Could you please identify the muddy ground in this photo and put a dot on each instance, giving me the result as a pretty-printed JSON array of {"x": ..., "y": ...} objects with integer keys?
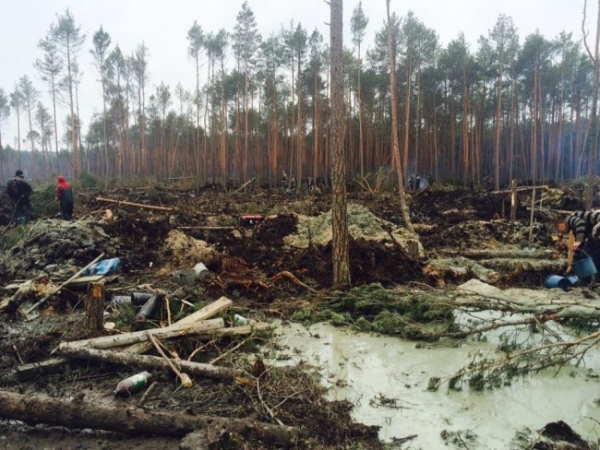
[{"x": 275, "y": 270}]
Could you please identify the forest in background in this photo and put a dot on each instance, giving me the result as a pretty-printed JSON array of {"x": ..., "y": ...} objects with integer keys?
[{"x": 511, "y": 108}]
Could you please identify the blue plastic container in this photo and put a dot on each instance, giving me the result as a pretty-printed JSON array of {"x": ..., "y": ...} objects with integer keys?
[
  {"x": 556, "y": 281},
  {"x": 573, "y": 279},
  {"x": 584, "y": 268}
]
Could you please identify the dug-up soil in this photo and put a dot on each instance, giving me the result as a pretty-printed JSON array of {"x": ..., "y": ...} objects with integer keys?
[{"x": 270, "y": 271}]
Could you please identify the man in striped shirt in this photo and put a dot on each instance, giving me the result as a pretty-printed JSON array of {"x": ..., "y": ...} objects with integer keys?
[{"x": 585, "y": 226}]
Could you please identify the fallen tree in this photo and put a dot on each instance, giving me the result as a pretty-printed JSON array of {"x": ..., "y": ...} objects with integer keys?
[{"x": 37, "y": 409}]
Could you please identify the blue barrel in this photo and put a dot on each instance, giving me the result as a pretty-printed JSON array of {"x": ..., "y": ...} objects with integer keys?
[
  {"x": 573, "y": 279},
  {"x": 584, "y": 268},
  {"x": 556, "y": 281}
]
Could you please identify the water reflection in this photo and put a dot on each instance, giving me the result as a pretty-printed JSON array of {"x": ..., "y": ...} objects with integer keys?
[{"x": 386, "y": 379}]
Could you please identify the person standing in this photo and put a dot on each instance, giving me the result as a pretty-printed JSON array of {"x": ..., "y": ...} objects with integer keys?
[
  {"x": 64, "y": 195},
  {"x": 19, "y": 192}
]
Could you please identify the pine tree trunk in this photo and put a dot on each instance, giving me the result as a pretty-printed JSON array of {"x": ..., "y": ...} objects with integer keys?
[
  {"x": 341, "y": 260},
  {"x": 51, "y": 411}
]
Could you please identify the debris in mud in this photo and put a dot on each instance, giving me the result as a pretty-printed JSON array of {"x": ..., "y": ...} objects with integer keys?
[
  {"x": 553, "y": 436},
  {"x": 280, "y": 267}
]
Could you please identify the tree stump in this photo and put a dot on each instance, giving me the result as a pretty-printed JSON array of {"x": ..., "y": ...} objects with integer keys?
[{"x": 94, "y": 307}]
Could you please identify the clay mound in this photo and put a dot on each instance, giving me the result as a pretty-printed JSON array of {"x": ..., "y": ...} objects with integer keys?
[
  {"x": 181, "y": 250},
  {"x": 362, "y": 225}
]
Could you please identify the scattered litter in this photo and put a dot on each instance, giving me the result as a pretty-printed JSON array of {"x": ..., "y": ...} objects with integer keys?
[
  {"x": 104, "y": 267},
  {"x": 133, "y": 384}
]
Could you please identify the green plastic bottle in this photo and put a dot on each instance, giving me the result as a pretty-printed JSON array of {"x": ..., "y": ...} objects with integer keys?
[{"x": 133, "y": 384}]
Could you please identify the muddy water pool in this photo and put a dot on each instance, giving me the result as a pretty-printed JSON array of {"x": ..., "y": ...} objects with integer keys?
[{"x": 386, "y": 378}]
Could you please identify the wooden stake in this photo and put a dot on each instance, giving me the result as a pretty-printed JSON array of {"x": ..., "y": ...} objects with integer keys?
[
  {"x": 186, "y": 381},
  {"x": 571, "y": 252},
  {"x": 513, "y": 200},
  {"x": 531, "y": 217}
]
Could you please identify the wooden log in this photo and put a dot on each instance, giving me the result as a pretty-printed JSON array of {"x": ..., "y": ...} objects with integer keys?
[
  {"x": 520, "y": 265},
  {"x": 30, "y": 371},
  {"x": 137, "y": 205},
  {"x": 207, "y": 228},
  {"x": 490, "y": 253},
  {"x": 520, "y": 189},
  {"x": 202, "y": 314},
  {"x": 94, "y": 307},
  {"x": 50, "y": 366},
  {"x": 141, "y": 336},
  {"x": 51, "y": 411},
  {"x": 152, "y": 362}
]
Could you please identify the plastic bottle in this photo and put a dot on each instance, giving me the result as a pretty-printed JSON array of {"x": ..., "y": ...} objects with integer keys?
[{"x": 133, "y": 384}]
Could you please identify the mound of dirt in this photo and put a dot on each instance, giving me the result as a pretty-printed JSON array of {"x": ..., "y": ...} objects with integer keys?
[
  {"x": 53, "y": 246},
  {"x": 362, "y": 225},
  {"x": 180, "y": 250}
]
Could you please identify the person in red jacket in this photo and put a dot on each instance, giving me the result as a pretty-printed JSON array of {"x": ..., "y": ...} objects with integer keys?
[{"x": 64, "y": 195}]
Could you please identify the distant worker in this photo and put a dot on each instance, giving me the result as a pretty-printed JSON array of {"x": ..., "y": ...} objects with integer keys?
[
  {"x": 411, "y": 183},
  {"x": 64, "y": 195},
  {"x": 19, "y": 192},
  {"x": 418, "y": 183},
  {"x": 583, "y": 224}
]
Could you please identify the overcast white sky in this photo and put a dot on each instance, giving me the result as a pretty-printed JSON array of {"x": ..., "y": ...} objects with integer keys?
[{"x": 163, "y": 26}]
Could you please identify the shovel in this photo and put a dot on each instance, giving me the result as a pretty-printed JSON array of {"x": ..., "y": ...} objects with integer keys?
[{"x": 28, "y": 313}]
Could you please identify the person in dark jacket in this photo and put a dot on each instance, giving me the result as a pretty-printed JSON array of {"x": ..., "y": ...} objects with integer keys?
[
  {"x": 583, "y": 226},
  {"x": 64, "y": 195},
  {"x": 19, "y": 192}
]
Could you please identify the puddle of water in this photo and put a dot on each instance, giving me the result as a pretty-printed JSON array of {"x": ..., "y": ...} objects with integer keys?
[{"x": 363, "y": 368}]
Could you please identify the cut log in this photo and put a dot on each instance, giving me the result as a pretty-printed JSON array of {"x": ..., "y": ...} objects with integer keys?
[
  {"x": 30, "y": 371},
  {"x": 94, "y": 307},
  {"x": 202, "y": 314},
  {"x": 152, "y": 362},
  {"x": 208, "y": 228},
  {"x": 141, "y": 336},
  {"x": 138, "y": 205},
  {"x": 51, "y": 411},
  {"x": 491, "y": 253},
  {"x": 520, "y": 265}
]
